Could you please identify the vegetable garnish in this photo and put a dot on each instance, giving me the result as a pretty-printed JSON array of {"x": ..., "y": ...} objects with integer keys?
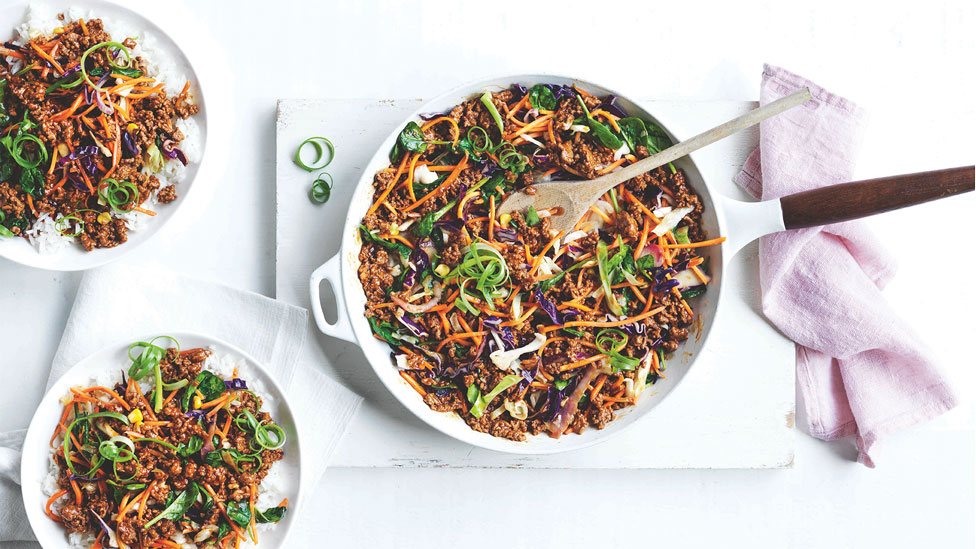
[
  {"x": 119, "y": 48},
  {"x": 324, "y": 153},
  {"x": 321, "y": 188},
  {"x": 498, "y": 318},
  {"x": 486, "y": 101},
  {"x": 138, "y": 469},
  {"x": 118, "y": 194}
]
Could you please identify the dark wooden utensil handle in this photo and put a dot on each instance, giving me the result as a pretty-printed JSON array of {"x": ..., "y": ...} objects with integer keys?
[{"x": 848, "y": 201}]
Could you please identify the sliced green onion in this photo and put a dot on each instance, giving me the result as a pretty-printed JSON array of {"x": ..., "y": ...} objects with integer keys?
[
  {"x": 61, "y": 225},
  {"x": 148, "y": 361},
  {"x": 611, "y": 341},
  {"x": 111, "y": 61},
  {"x": 157, "y": 441},
  {"x": 66, "y": 445},
  {"x": 486, "y": 267},
  {"x": 321, "y": 188},
  {"x": 601, "y": 257},
  {"x": 266, "y": 436},
  {"x": 175, "y": 385},
  {"x": 16, "y": 150},
  {"x": 118, "y": 193},
  {"x": 480, "y": 141},
  {"x": 320, "y": 145},
  {"x": 486, "y": 101}
]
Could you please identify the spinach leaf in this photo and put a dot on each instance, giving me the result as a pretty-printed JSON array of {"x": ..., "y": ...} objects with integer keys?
[
  {"x": 541, "y": 97},
  {"x": 532, "y": 217},
  {"x": 178, "y": 507},
  {"x": 272, "y": 514},
  {"x": 239, "y": 512},
  {"x": 207, "y": 503},
  {"x": 495, "y": 186},
  {"x": 600, "y": 132},
  {"x": 604, "y": 134},
  {"x": 223, "y": 529},
  {"x": 633, "y": 131},
  {"x": 194, "y": 445},
  {"x": 646, "y": 263},
  {"x": 561, "y": 383},
  {"x": 656, "y": 140},
  {"x": 401, "y": 248},
  {"x": 384, "y": 330},
  {"x": 693, "y": 292},
  {"x": 210, "y": 386},
  {"x": 412, "y": 138},
  {"x": 424, "y": 227}
]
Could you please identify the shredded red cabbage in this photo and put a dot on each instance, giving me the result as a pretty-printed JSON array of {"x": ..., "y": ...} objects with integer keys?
[
  {"x": 170, "y": 150},
  {"x": 235, "y": 384},
  {"x": 612, "y": 105}
]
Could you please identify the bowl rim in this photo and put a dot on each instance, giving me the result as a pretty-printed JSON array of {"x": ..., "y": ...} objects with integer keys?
[
  {"x": 37, "y": 447},
  {"x": 69, "y": 260},
  {"x": 351, "y": 243}
]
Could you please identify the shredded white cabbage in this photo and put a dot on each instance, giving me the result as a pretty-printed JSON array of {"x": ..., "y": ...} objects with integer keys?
[
  {"x": 671, "y": 220},
  {"x": 503, "y": 360}
]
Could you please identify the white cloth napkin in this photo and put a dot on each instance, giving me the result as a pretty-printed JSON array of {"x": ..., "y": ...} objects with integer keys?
[{"x": 120, "y": 301}]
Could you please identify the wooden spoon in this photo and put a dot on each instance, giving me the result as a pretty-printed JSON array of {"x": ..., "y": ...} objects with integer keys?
[{"x": 574, "y": 198}]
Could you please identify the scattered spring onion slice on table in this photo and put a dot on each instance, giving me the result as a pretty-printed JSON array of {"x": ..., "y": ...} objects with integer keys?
[
  {"x": 321, "y": 188},
  {"x": 320, "y": 145}
]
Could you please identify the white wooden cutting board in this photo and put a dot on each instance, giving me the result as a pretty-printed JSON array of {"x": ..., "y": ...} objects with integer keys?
[{"x": 734, "y": 409}]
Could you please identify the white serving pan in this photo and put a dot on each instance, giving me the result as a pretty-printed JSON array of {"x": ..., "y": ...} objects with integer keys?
[
  {"x": 114, "y": 358},
  {"x": 74, "y": 257},
  {"x": 741, "y": 222}
]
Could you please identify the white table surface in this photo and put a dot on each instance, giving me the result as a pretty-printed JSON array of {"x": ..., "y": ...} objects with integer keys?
[{"x": 909, "y": 63}]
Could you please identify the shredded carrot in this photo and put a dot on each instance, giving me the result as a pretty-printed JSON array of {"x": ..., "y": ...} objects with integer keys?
[
  {"x": 610, "y": 324},
  {"x": 48, "y": 58},
  {"x": 413, "y": 383},
  {"x": 84, "y": 28},
  {"x": 534, "y": 124},
  {"x": 698, "y": 272},
  {"x": 447, "y": 183},
  {"x": 491, "y": 218},
  {"x": 145, "y": 498},
  {"x": 47, "y": 506},
  {"x": 77, "y": 491},
  {"x": 613, "y": 166},
  {"x": 701, "y": 244},
  {"x": 408, "y": 182},
  {"x": 454, "y": 127},
  {"x": 111, "y": 393},
  {"x": 600, "y": 213},
  {"x": 393, "y": 183},
  {"x": 399, "y": 238},
  {"x": 578, "y": 363},
  {"x": 538, "y": 257}
]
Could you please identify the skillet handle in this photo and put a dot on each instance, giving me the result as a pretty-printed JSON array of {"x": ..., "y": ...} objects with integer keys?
[
  {"x": 747, "y": 221},
  {"x": 848, "y": 201},
  {"x": 329, "y": 271}
]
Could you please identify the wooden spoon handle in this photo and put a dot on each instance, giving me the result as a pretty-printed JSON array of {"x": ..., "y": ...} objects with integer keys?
[{"x": 848, "y": 201}]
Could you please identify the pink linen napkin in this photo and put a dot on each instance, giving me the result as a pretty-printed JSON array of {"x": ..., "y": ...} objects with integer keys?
[{"x": 860, "y": 368}]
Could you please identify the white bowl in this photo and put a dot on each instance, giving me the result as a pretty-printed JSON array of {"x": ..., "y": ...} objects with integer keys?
[
  {"x": 351, "y": 325},
  {"x": 37, "y": 449},
  {"x": 74, "y": 257}
]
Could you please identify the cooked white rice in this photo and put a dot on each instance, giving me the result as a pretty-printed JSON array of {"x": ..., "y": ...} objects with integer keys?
[
  {"x": 160, "y": 64},
  {"x": 269, "y": 491}
]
